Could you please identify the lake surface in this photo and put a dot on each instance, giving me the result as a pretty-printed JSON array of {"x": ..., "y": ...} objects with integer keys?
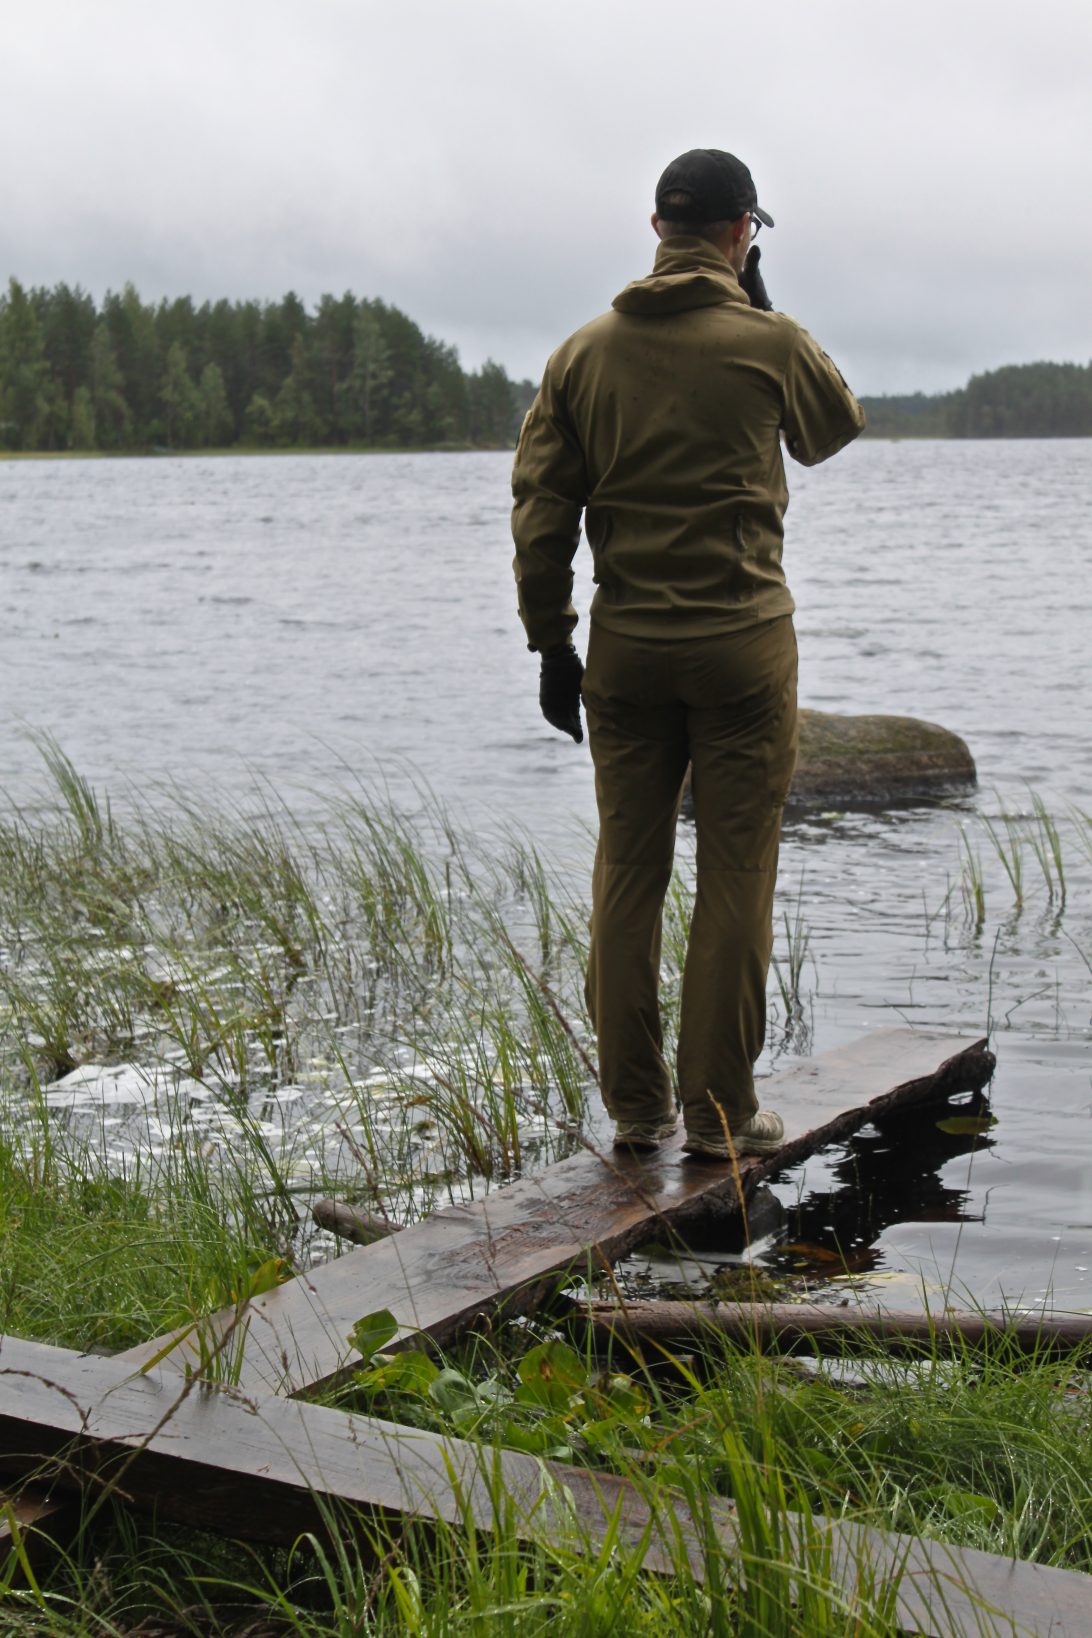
[{"x": 299, "y": 623}]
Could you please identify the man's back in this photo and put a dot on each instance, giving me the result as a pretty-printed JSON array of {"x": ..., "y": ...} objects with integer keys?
[{"x": 663, "y": 418}]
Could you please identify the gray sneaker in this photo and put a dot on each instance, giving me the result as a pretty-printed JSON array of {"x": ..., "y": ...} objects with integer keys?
[
  {"x": 641, "y": 1136},
  {"x": 763, "y": 1134}
]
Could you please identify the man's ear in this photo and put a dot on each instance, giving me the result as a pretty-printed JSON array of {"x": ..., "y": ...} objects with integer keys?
[{"x": 655, "y": 220}]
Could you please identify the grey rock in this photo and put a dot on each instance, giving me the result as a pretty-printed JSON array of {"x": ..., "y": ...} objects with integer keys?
[
  {"x": 877, "y": 759},
  {"x": 873, "y": 761}
]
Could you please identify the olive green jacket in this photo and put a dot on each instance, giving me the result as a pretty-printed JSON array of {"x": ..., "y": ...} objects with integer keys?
[{"x": 662, "y": 422}]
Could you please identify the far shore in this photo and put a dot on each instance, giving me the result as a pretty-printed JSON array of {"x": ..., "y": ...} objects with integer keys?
[
  {"x": 443, "y": 449},
  {"x": 251, "y": 449}
]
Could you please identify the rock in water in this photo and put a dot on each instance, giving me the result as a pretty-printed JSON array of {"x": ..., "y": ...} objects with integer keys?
[
  {"x": 873, "y": 761},
  {"x": 876, "y": 759}
]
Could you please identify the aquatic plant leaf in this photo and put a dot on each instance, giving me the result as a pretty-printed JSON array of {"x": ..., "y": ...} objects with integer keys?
[
  {"x": 411, "y": 1373},
  {"x": 373, "y": 1332},
  {"x": 623, "y": 1395},
  {"x": 455, "y": 1395},
  {"x": 603, "y": 1435},
  {"x": 966, "y": 1125},
  {"x": 273, "y": 1272},
  {"x": 537, "y": 1440},
  {"x": 550, "y": 1374}
]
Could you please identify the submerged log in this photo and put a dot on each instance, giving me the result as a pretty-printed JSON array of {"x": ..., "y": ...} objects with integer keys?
[
  {"x": 352, "y": 1222},
  {"x": 786, "y": 1325}
]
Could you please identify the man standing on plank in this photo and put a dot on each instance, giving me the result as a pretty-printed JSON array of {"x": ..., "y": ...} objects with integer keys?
[{"x": 661, "y": 421}]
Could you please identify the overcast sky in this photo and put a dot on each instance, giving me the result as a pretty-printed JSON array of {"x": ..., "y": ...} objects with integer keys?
[{"x": 489, "y": 165}]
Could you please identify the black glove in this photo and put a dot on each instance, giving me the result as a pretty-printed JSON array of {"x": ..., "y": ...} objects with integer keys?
[
  {"x": 559, "y": 689},
  {"x": 751, "y": 281}
]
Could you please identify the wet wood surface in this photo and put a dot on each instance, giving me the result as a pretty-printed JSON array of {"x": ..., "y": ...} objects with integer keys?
[
  {"x": 267, "y": 1469},
  {"x": 787, "y": 1325},
  {"x": 515, "y": 1245}
]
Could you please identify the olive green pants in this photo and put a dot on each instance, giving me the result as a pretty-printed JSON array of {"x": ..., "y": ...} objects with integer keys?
[{"x": 727, "y": 706}]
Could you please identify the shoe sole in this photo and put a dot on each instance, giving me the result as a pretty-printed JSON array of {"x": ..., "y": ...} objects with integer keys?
[
  {"x": 698, "y": 1153},
  {"x": 644, "y": 1145}
]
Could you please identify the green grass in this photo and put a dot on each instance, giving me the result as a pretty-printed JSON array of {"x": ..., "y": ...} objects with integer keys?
[
  {"x": 985, "y": 1449},
  {"x": 1010, "y": 836},
  {"x": 94, "y": 1258},
  {"x": 380, "y": 1009},
  {"x": 417, "y": 998},
  {"x": 989, "y": 1452},
  {"x": 369, "y": 1009}
]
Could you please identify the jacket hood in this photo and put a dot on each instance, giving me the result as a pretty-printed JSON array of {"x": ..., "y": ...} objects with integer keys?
[{"x": 688, "y": 272}]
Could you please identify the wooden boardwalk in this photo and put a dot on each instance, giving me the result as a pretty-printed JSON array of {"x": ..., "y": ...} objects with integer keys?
[
  {"x": 253, "y": 1458},
  {"x": 517, "y": 1244},
  {"x": 268, "y": 1468}
]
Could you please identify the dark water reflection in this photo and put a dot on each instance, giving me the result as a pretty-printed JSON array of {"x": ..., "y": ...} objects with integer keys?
[{"x": 899, "y": 1173}]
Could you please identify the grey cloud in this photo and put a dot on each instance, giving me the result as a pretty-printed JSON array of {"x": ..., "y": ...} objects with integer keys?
[{"x": 490, "y": 168}]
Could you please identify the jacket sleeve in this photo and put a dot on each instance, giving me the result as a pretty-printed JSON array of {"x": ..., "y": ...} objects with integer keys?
[
  {"x": 821, "y": 414},
  {"x": 550, "y": 490}
]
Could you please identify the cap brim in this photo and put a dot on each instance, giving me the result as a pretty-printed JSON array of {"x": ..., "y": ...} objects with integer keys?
[{"x": 763, "y": 216}]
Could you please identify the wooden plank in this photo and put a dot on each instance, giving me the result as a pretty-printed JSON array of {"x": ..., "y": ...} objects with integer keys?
[
  {"x": 785, "y": 1325},
  {"x": 265, "y": 1467},
  {"x": 514, "y": 1244},
  {"x": 826, "y": 1098}
]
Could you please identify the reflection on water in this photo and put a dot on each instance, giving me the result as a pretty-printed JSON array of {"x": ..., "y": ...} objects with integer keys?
[
  {"x": 897, "y": 1173},
  {"x": 823, "y": 1226}
]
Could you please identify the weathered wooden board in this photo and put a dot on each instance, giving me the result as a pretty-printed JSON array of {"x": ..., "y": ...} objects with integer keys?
[
  {"x": 265, "y": 1468},
  {"x": 828, "y": 1097},
  {"x": 785, "y": 1325},
  {"x": 512, "y": 1245}
]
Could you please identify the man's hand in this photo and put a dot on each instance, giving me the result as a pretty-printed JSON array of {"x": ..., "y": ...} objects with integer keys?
[
  {"x": 559, "y": 689},
  {"x": 751, "y": 281}
]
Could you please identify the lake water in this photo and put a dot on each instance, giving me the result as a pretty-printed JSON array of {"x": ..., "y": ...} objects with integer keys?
[{"x": 302, "y": 622}]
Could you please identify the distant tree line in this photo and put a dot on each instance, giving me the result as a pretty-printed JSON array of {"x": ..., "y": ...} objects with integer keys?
[
  {"x": 134, "y": 376},
  {"x": 355, "y": 372},
  {"x": 1018, "y": 401}
]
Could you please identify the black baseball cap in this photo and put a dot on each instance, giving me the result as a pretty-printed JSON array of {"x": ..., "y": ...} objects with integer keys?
[{"x": 720, "y": 186}]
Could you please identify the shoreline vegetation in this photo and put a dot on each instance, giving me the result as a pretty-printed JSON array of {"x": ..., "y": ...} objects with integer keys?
[
  {"x": 355, "y": 375},
  {"x": 130, "y": 376},
  {"x": 162, "y": 452},
  {"x": 207, "y": 1019},
  {"x": 1039, "y": 400}
]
